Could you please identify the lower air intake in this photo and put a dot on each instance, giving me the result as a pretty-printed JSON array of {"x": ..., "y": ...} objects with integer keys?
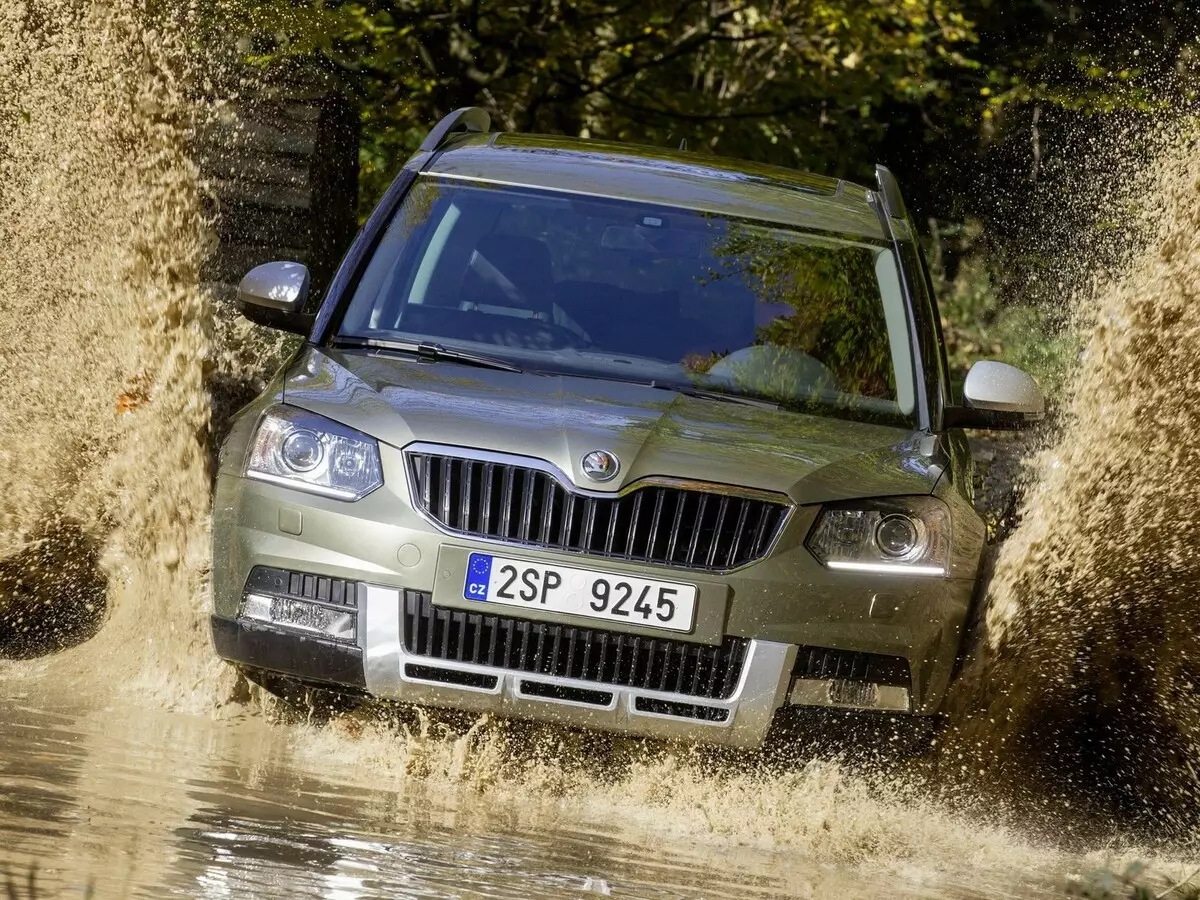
[
  {"x": 845, "y": 665},
  {"x": 566, "y": 651}
]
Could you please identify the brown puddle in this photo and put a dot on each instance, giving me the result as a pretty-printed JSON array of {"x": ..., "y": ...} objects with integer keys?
[{"x": 138, "y": 802}]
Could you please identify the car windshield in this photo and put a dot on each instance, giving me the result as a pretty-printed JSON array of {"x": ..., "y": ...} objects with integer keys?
[{"x": 595, "y": 287}]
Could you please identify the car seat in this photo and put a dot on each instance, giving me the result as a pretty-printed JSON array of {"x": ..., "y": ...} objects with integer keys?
[{"x": 509, "y": 274}]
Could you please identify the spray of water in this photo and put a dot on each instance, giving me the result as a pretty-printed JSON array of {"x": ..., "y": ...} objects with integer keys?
[
  {"x": 1087, "y": 680},
  {"x": 103, "y": 408}
]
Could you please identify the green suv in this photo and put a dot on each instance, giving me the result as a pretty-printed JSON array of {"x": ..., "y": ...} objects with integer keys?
[{"x": 611, "y": 436}]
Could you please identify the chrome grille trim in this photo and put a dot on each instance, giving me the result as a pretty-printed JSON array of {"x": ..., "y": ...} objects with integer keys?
[{"x": 511, "y": 499}]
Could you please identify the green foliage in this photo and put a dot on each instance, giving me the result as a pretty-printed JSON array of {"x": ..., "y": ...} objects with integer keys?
[
  {"x": 800, "y": 83},
  {"x": 826, "y": 85},
  {"x": 979, "y": 324}
]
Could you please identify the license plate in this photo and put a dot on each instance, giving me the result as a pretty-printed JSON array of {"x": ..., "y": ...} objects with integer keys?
[{"x": 580, "y": 592}]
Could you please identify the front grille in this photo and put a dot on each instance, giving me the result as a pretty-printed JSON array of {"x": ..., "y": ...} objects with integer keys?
[
  {"x": 672, "y": 526},
  {"x": 565, "y": 651},
  {"x": 820, "y": 662}
]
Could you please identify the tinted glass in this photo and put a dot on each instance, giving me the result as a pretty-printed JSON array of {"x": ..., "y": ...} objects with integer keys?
[{"x": 615, "y": 289}]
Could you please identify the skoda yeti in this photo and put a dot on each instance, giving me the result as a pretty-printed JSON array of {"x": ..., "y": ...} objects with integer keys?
[{"x": 610, "y": 436}]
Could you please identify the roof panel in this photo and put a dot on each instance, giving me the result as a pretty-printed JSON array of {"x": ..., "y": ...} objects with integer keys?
[{"x": 664, "y": 177}]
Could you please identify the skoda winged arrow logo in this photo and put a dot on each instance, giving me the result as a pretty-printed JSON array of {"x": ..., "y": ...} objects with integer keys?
[{"x": 600, "y": 465}]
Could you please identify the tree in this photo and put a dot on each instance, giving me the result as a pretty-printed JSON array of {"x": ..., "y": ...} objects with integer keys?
[{"x": 795, "y": 82}]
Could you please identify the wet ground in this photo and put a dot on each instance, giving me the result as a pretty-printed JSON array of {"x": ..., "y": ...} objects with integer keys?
[{"x": 128, "y": 802}]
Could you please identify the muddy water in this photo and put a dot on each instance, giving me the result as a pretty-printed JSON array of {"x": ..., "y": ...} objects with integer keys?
[
  {"x": 136, "y": 802},
  {"x": 186, "y": 805},
  {"x": 132, "y": 761},
  {"x": 1086, "y": 681}
]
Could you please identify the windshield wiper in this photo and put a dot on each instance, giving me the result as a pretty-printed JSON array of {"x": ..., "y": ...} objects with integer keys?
[
  {"x": 719, "y": 396},
  {"x": 431, "y": 352}
]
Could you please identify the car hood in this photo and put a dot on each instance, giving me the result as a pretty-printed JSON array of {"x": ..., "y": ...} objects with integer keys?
[{"x": 560, "y": 418}]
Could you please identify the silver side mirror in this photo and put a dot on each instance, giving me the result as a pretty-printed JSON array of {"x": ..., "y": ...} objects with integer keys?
[
  {"x": 999, "y": 387},
  {"x": 274, "y": 295},
  {"x": 997, "y": 395},
  {"x": 282, "y": 286}
]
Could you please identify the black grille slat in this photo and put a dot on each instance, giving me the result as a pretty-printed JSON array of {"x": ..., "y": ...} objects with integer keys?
[
  {"x": 506, "y": 501},
  {"x": 485, "y": 493},
  {"x": 617, "y": 669},
  {"x": 493, "y": 634},
  {"x": 676, "y": 525},
  {"x": 713, "y": 674},
  {"x": 570, "y": 649},
  {"x": 685, "y": 527},
  {"x": 762, "y": 531},
  {"x": 528, "y": 495},
  {"x": 425, "y": 480},
  {"x": 510, "y": 632},
  {"x": 610, "y": 532},
  {"x": 679, "y": 668},
  {"x": 656, "y": 521},
  {"x": 697, "y": 531},
  {"x": 694, "y": 665},
  {"x": 589, "y": 523},
  {"x": 715, "y": 543},
  {"x": 568, "y": 520},
  {"x": 444, "y": 494},
  {"x": 547, "y": 513},
  {"x": 585, "y": 654},
  {"x": 738, "y": 531},
  {"x": 631, "y": 538},
  {"x": 733, "y": 671},
  {"x": 476, "y": 626},
  {"x": 469, "y": 500}
]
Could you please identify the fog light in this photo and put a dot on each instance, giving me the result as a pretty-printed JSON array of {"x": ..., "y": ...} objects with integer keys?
[
  {"x": 300, "y": 615},
  {"x": 848, "y": 694}
]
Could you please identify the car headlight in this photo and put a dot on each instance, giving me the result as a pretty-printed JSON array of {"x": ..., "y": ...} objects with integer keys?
[
  {"x": 311, "y": 453},
  {"x": 903, "y": 536}
]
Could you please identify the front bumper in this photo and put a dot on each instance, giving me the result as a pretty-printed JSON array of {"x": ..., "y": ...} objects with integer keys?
[
  {"x": 381, "y": 664},
  {"x": 302, "y": 657}
]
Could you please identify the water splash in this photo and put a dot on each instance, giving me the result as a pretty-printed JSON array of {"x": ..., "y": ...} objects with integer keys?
[
  {"x": 103, "y": 409},
  {"x": 1087, "y": 682}
]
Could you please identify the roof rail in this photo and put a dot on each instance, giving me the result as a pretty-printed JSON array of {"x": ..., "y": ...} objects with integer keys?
[
  {"x": 469, "y": 118},
  {"x": 889, "y": 190}
]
